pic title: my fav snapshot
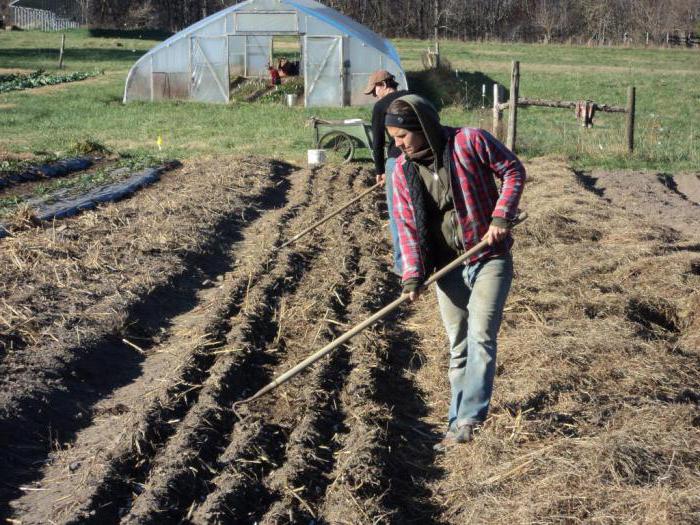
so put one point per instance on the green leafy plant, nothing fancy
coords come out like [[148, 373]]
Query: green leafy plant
[[89, 146], [16, 82], [291, 86]]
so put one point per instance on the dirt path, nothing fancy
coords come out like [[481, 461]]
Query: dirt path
[[662, 198], [130, 332]]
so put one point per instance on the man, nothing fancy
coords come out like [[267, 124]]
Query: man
[[445, 201], [275, 79], [383, 86]]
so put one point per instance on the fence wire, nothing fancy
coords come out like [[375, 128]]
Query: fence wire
[[30, 18]]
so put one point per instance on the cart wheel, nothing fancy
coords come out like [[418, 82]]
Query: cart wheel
[[339, 147]]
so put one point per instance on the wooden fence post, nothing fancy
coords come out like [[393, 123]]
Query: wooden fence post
[[497, 113], [630, 118], [513, 105], [60, 54]]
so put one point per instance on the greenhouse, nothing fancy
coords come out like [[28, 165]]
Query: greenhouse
[[334, 55]]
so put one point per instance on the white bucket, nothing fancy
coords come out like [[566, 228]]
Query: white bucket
[[316, 157], [291, 99]]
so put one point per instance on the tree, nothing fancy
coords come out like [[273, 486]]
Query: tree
[[600, 20], [552, 17], [4, 13]]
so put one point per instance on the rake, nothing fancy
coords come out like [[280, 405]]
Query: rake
[[330, 215], [367, 322]]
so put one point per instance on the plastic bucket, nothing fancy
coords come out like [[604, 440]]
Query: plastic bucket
[[316, 157], [292, 99]]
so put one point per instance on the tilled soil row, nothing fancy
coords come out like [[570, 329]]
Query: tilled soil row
[[278, 469], [362, 482], [190, 461], [180, 364], [128, 460], [342, 487], [356, 490], [319, 446], [183, 468], [71, 359], [296, 423], [297, 485]]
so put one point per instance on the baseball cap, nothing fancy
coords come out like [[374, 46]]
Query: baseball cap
[[375, 78]]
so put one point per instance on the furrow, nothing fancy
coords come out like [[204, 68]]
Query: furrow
[[309, 412], [173, 491], [120, 469], [184, 467], [357, 486], [313, 444]]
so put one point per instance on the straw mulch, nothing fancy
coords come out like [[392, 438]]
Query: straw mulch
[[68, 284], [595, 412]]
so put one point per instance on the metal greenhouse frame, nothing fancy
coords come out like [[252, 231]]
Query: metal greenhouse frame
[[198, 63]]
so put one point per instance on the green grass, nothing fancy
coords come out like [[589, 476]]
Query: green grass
[[50, 120], [668, 98]]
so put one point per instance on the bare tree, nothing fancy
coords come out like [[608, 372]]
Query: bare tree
[[685, 15], [4, 12], [599, 20], [552, 17]]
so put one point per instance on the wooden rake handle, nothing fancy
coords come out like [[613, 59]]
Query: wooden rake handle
[[369, 321], [330, 215]]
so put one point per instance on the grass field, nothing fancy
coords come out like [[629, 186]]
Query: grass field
[[49, 120]]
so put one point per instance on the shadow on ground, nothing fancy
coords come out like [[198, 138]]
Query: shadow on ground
[[444, 87]]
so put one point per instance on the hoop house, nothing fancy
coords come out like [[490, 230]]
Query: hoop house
[[336, 54]]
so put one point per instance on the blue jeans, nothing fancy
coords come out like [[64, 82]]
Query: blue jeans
[[389, 186], [471, 300]]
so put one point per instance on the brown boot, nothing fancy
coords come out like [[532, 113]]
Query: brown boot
[[462, 434]]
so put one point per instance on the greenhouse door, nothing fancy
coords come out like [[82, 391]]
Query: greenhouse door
[[258, 53], [209, 69], [323, 68]]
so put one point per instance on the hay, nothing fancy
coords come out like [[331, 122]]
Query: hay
[[594, 417], [72, 282]]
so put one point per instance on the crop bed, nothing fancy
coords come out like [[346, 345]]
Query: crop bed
[[130, 331], [35, 79]]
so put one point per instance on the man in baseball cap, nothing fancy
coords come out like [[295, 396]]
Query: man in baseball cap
[[378, 77], [384, 87]]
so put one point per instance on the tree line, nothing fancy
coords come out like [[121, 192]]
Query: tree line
[[580, 21], [528, 20]]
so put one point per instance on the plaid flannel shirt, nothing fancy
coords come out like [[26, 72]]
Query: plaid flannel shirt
[[476, 158]]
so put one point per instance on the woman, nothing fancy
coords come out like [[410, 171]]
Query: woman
[[445, 201]]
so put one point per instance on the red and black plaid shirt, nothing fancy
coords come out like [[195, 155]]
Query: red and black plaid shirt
[[477, 157]]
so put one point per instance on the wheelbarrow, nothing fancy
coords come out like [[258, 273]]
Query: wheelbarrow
[[340, 138]]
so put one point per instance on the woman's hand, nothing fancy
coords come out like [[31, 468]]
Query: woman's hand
[[381, 179], [413, 296], [495, 235]]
